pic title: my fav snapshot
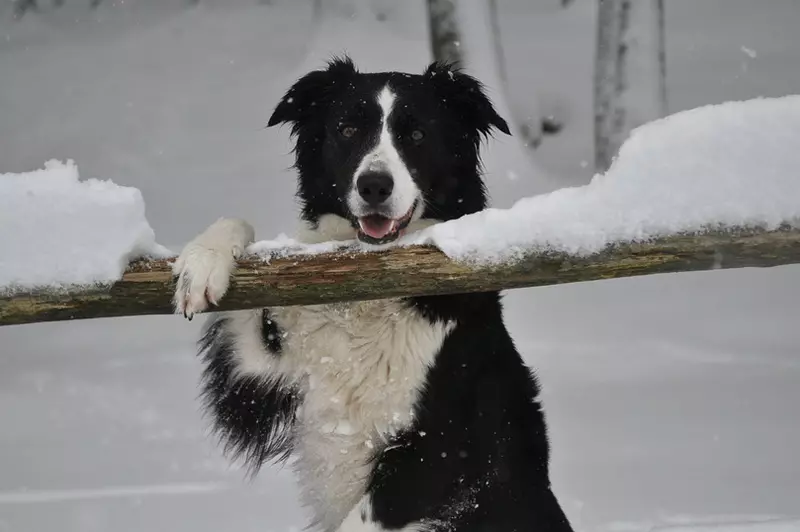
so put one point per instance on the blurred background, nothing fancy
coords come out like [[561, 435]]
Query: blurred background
[[672, 400]]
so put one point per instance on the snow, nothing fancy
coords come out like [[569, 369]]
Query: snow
[[59, 231], [667, 395], [727, 164], [764, 525], [284, 246]]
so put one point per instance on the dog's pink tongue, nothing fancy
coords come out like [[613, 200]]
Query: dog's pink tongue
[[376, 226]]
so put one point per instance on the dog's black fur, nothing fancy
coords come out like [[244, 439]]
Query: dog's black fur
[[476, 456], [448, 105]]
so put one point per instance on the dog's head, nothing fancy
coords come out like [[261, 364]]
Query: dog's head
[[383, 150]]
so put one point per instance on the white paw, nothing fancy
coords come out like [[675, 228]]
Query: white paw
[[205, 265], [203, 278]]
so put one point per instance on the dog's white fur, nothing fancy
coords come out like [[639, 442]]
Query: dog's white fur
[[360, 366], [205, 265], [385, 157]]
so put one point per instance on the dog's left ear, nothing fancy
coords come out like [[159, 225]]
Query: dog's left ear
[[311, 92], [467, 96]]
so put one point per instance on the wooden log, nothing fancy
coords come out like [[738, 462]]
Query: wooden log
[[147, 286]]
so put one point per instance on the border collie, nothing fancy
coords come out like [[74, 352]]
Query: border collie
[[411, 414]]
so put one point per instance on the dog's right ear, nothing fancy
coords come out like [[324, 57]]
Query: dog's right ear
[[312, 92]]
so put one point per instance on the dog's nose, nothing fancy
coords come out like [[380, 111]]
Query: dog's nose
[[375, 187]]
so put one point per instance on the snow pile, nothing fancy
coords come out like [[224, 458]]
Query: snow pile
[[731, 164], [56, 230]]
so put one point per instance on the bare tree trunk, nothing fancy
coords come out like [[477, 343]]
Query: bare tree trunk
[[323, 8], [494, 20], [450, 43], [349, 9], [630, 72], [444, 31]]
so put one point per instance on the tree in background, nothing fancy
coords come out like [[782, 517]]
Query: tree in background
[[325, 9], [445, 35], [448, 32], [630, 72]]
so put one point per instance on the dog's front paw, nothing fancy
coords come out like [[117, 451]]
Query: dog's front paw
[[205, 265], [203, 278]]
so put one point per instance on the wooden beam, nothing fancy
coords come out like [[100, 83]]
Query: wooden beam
[[147, 286]]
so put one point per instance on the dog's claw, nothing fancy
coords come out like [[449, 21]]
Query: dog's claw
[[211, 301]]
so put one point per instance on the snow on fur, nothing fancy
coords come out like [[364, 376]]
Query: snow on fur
[[56, 230]]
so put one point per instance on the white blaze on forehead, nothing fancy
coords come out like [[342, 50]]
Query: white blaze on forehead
[[386, 100], [384, 157]]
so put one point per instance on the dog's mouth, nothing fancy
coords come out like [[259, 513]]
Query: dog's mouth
[[379, 229]]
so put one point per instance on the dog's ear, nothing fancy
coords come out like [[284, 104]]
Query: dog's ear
[[311, 92], [466, 96]]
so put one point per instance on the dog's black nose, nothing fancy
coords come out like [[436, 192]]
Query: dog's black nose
[[375, 187]]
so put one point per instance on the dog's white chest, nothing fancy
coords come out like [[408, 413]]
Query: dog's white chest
[[362, 366]]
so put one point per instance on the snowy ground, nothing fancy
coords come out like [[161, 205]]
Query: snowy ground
[[672, 400]]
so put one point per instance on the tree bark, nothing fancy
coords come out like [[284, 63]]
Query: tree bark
[[481, 52], [630, 72], [146, 288], [445, 33]]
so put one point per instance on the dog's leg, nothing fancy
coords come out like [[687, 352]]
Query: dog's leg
[[205, 265]]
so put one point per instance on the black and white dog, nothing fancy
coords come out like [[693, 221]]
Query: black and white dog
[[411, 414]]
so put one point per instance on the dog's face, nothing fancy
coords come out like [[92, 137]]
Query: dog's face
[[383, 150]]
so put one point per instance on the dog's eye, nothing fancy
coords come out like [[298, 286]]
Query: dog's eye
[[417, 135], [348, 131]]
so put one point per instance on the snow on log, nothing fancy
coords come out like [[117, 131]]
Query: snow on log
[[146, 287], [56, 230], [714, 187]]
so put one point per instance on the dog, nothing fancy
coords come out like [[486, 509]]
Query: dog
[[404, 414]]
